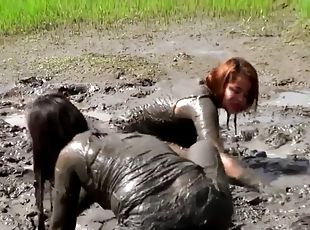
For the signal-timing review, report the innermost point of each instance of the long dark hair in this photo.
(52, 121)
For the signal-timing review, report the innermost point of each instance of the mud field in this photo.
(107, 72)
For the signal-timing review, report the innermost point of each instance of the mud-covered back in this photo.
(130, 167)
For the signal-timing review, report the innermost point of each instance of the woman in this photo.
(52, 122)
(138, 176)
(184, 119)
(144, 183)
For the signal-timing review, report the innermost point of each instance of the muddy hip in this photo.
(191, 201)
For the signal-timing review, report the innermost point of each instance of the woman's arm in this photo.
(237, 174)
(240, 175)
(67, 189)
(72, 179)
(205, 154)
(203, 112)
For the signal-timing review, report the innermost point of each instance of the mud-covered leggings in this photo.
(197, 199)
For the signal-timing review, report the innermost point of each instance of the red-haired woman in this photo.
(233, 86)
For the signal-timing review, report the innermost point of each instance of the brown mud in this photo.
(106, 72)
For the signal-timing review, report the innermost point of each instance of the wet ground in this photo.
(109, 71)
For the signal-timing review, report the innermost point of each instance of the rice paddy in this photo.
(18, 16)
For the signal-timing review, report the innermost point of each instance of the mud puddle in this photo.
(16, 119)
(280, 126)
(290, 98)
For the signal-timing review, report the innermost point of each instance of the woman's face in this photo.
(235, 95)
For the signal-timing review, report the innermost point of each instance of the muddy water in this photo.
(277, 128)
(16, 119)
(281, 129)
(290, 98)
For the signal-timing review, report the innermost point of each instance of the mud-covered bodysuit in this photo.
(145, 184)
(186, 117)
(181, 119)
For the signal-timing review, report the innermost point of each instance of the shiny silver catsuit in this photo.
(181, 119)
(145, 184)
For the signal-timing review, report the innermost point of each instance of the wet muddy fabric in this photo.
(146, 185)
(180, 120)
(190, 202)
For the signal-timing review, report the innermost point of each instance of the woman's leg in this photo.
(67, 190)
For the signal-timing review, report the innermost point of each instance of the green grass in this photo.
(17, 16)
(303, 7)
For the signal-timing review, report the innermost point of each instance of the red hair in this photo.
(227, 72)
